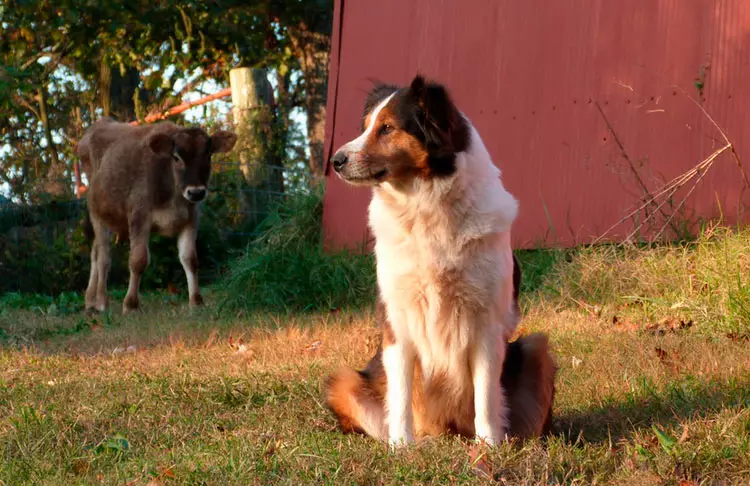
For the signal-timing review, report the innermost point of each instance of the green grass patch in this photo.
(706, 281)
(287, 269)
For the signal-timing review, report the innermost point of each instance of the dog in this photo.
(441, 218)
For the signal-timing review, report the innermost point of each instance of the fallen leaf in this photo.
(668, 359)
(663, 355)
(313, 346)
(687, 482)
(478, 459)
(738, 337)
(238, 345)
(131, 349)
(172, 289)
(684, 435)
(624, 324)
(668, 324)
(81, 467)
(576, 362)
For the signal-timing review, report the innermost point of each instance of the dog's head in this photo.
(407, 133)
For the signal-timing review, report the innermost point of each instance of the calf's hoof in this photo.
(196, 300)
(130, 304)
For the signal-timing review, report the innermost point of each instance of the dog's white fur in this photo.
(445, 273)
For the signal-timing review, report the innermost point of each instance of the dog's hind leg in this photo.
(356, 404)
(529, 382)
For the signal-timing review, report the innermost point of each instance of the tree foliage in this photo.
(64, 63)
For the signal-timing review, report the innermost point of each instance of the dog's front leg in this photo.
(490, 411)
(398, 361)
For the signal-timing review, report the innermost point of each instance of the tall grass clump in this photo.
(286, 268)
(706, 280)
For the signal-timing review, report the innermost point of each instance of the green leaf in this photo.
(667, 442)
(643, 453)
(117, 443)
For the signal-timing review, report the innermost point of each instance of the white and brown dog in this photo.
(441, 219)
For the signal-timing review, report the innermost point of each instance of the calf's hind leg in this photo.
(138, 261)
(96, 292)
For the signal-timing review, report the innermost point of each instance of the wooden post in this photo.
(252, 98)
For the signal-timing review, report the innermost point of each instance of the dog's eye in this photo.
(385, 129)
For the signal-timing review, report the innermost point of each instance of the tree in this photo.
(64, 63)
(307, 27)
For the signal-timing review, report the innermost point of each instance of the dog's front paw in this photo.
(490, 437)
(400, 441)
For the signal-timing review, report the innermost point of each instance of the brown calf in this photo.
(144, 179)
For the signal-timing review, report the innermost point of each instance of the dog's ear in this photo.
(445, 130)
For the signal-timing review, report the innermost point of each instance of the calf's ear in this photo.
(161, 143)
(222, 141)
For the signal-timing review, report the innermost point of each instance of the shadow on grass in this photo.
(688, 398)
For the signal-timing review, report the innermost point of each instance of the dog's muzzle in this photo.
(339, 161)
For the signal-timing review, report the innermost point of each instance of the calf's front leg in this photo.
(138, 261)
(189, 260)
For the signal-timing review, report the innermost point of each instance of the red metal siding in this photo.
(532, 75)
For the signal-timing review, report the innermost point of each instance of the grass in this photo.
(286, 269)
(173, 396)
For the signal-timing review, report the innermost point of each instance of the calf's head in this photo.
(190, 151)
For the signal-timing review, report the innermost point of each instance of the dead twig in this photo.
(723, 135)
(670, 189)
(625, 155)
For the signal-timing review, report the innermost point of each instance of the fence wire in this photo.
(42, 247)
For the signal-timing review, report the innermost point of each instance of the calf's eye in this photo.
(177, 159)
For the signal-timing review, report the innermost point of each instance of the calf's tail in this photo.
(88, 228)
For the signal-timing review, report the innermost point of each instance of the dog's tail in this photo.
(356, 404)
(528, 380)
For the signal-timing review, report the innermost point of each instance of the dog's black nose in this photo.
(339, 161)
(196, 194)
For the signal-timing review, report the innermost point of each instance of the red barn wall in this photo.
(541, 80)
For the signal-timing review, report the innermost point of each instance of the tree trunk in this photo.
(42, 99)
(252, 100)
(312, 50)
(105, 85)
(53, 183)
(117, 91)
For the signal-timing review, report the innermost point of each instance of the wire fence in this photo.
(43, 249)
